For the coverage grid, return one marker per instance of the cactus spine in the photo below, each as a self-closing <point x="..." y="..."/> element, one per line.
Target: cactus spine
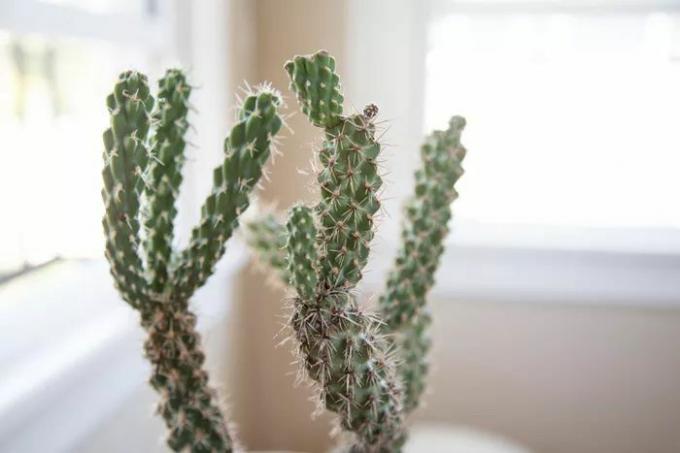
<point x="160" y="286"/>
<point x="403" y="312"/>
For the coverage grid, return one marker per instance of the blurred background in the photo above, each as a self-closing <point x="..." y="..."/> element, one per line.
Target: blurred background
<point x="557" y="321"/>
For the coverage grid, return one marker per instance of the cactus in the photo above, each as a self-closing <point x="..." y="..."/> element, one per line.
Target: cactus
<point x="327" y="247"/>
<point x="160" y="284"/>
<point x="165" y="173"/>
<point x="268" y="237"/>
<point x="341" y="252"/>
<point x="425" y="227"/>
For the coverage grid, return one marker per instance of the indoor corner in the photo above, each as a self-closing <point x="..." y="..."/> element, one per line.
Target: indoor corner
<point x="350" y="226"/>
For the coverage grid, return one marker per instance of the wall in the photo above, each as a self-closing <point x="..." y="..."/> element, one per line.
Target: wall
<point x="271" y="411"/>
<point x="558" y="378"/>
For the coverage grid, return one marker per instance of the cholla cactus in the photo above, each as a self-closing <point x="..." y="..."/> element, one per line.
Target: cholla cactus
<point x="160" y="284"/>
<point x="427" y="214"/>
<point x="321" y="253"/>
<point x="327" y="248"/>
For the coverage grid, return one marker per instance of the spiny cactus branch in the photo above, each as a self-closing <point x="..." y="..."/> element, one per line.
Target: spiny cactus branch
<point x="425" y="226"/>
<point x="161" y="291"/>
<point x="342" y="349"/>
<point x="247" y="149"/>
<point x="267" y="237"/>
<point x="317" y="86"/>
<point x="424" y="230"/>
<point x="125" y="162"/>
<point x="165" y="171"/>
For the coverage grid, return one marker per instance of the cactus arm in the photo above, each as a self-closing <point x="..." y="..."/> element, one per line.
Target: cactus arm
<point x="340" y="346"/>
<point x="342" y="349"/>
<point x="413" y="343"/>
<point x="317" y="87"/>
<point x="403" y="304"/>
<point x="302" y="257"/>
<point x="125" y="161"/>
<point x="167" y="146"/>
<point x="267" y="237"/>
<point x="425" y="225"/>
<point x="247" y="149"/>
<point x="349" y="183"/>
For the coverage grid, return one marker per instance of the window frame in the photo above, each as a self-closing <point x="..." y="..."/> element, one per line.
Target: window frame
<point x="33" y="16"/>
<point x="499" y="263"/>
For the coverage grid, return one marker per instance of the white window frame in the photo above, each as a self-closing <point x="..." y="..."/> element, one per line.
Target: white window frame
<point x="33" y="16"/>
<point x="493" y="262"/>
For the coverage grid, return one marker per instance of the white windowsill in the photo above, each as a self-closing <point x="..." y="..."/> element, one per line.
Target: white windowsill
<point x="72" y="350"/>
<point x="560" y="265"/>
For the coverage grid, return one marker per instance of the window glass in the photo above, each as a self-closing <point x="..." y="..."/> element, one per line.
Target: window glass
<point x="105" y="6"/>
<point x="52" y="115"/>
<point x="572" y="117"/>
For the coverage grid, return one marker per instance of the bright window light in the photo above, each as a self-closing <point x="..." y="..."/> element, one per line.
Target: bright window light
<point x="52" y="114"/>
<point x="573" y="118"/>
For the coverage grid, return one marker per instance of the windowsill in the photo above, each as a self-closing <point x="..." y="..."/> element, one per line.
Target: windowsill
<point x="73" y="350"/>
<point x="554" y="265"/>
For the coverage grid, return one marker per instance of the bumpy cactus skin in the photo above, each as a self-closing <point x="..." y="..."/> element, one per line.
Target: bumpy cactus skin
<point x="341" y="348"/>
<point x="247" y="149"/>
<point x="165" y="172"/>
<point x="267" y="237"/>
<point x="317" y="87"/>
<point x="160" y="291"/>
<point x="425" y="227"/>
<point x="126" y="159"/>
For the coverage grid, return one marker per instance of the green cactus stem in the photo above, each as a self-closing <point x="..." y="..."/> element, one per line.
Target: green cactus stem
<point x="126" y="159"/>
<point x="247" y="150"/>
<point x="267" y="237"/>
<point x="165" y="173"/>
<point x="161" y="289"/>
<point x="317" y="87"/>
<point x="341" y="347"/>
<point x="424" y="230"/>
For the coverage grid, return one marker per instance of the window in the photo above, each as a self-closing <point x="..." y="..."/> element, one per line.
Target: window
<point x="59" y="60"/>
<point x="573" y="110"/>
<point x="70" y="347"/>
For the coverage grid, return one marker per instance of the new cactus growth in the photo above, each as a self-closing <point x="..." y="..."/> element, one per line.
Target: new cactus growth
<point x="321" y="254"/>
<point x="142" y="176"/>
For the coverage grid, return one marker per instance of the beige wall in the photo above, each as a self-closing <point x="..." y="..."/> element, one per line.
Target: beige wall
<point x="272" y="413"/>
<point x="559" y="378"/>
